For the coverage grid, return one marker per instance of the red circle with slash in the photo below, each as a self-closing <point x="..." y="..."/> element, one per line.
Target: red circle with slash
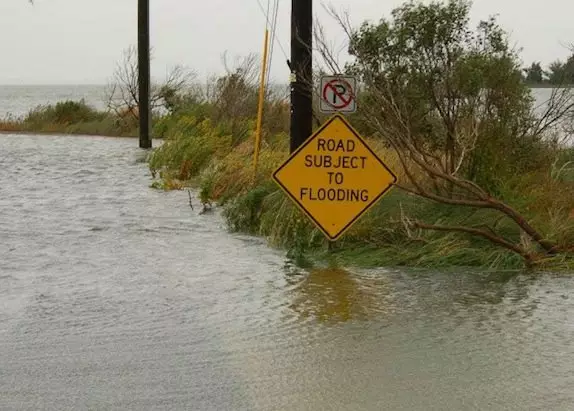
<point x="342" y="96"/>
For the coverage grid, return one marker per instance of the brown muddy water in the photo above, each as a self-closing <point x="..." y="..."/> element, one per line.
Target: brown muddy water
<point x="114" y="296"/>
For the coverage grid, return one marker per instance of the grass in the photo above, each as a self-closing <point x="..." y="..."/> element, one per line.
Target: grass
<point x="71" y="117"/>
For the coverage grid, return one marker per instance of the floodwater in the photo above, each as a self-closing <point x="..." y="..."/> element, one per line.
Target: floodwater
<point x="114" y="296"/>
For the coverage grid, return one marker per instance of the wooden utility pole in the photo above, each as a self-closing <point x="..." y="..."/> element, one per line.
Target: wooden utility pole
<point x="301" y="72"/>
<point x="144" y="74"/>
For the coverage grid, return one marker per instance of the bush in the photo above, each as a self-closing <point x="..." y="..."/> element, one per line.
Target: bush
<point x="62" y="113"/>
<point x="188" y="150"/>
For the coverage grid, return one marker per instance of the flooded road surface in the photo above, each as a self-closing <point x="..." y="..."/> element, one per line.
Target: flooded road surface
<point x="114" y="296"/>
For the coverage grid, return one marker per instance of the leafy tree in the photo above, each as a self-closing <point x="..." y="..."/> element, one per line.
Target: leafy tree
<point x="562" y="73"/>
<point x="451" y="101"/>
<point x="556" y="72"/>
<point x="441" y="73"/>
<point x="569" y="70"/>
<point x="534" y="73"/>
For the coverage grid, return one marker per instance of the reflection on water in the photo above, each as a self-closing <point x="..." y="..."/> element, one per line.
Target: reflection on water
<point x="336" y="295"/>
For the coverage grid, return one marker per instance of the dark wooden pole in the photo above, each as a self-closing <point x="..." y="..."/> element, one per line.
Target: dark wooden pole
<point x="144" y="74"/>
<point x="302" y="72"/>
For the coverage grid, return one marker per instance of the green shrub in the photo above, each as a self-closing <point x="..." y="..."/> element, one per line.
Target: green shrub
<point x="62" y="113"/>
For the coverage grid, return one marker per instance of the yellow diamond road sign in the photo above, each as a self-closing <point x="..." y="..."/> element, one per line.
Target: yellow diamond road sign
<point x="334" y="177"/>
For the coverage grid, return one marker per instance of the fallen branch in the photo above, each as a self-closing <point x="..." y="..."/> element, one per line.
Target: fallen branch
<point x="495" y="239"/>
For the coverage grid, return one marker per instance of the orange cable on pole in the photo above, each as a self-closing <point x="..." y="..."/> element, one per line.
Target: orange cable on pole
<point x="261" y="102"/>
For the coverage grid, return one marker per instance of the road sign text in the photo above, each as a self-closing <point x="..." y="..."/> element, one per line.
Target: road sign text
<point x="334" y="177"/>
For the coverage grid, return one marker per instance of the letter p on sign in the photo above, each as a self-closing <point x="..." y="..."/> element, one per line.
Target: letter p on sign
<point x="338" y="94"/>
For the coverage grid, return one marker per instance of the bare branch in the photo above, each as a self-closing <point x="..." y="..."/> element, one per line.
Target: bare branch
<point x="122" y="95"/>
<point x="488" y="234"/>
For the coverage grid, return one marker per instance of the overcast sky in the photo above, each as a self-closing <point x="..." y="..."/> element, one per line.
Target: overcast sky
<point x="79" y="41"/>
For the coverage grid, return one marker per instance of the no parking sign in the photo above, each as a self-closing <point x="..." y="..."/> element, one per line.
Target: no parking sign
<point x="338" y="94"/>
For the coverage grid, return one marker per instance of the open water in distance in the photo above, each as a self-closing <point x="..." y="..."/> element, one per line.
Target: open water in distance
<point x="118" y="297"/>
<point x="17" y="101"/>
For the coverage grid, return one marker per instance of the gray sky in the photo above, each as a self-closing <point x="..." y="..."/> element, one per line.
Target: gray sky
<point x="79" y="41"/>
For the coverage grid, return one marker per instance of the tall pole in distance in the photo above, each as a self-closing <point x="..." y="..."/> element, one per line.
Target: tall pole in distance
<point x="301" y="72"/>
<point x="144" y="74"/>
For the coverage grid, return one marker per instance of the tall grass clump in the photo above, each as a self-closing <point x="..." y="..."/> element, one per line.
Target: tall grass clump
<point x="62" y="113"/>
<point x="70" y="117"/>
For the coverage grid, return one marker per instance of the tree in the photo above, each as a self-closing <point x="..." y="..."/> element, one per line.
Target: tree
<point x="569" y="70"/>
<point x="562" y="73"/>
<point x="451" y="101"/>
<point x="556" y="72"/>
<point x="122" y="95"/>
<point x="534" y="73"/>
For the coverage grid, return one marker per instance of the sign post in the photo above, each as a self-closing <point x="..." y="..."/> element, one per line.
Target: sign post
<point x="338" y="94"/>
<point x="334" y="177"/>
